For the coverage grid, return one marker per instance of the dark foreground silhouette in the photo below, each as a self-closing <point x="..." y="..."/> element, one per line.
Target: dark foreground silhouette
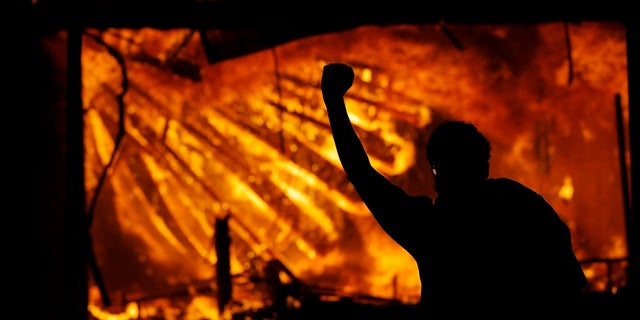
<point x="484" y="246"/>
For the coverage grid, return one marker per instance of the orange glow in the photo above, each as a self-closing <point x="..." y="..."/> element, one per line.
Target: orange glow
<point x="566" y="190"/>
<point x="250" y="141"/>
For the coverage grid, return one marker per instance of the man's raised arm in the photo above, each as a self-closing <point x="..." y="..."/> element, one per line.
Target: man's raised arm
<point x="336" y="81"/>
<point x="381" y="196"/>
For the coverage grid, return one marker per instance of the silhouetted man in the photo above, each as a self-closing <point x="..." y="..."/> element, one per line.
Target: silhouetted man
<point x="485" y="246"/>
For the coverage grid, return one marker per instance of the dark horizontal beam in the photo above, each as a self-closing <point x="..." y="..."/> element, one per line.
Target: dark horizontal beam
<point x="309" y="14"/>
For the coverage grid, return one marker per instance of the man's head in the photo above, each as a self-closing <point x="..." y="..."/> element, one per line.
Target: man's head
<point x="459" y="156"/>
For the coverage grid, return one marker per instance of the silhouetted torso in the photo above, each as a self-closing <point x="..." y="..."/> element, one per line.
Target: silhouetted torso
<point x="502" y="245"/>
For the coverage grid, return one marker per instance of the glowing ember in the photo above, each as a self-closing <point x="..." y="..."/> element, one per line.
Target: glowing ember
<point x="566" y="190"/>
<point x="249" y="139"/>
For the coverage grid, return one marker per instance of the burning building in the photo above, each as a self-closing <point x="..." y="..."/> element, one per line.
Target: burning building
<point x="210" y="183"/>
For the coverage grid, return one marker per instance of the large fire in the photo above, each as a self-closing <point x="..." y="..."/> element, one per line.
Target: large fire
<point x="247" y="139"/>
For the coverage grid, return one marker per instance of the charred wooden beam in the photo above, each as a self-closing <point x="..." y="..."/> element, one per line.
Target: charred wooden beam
<point x="223" y="265"/>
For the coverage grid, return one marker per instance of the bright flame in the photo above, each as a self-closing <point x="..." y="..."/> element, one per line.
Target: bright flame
<point x="566" y="191"/>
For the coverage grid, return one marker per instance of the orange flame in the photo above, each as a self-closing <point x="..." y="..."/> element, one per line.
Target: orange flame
<point x="251" y="141"/>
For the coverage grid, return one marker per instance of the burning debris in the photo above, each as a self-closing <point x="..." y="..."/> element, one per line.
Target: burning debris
<point x="174" y="144"/>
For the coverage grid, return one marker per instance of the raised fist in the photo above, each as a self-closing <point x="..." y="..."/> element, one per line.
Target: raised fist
<point x="337" y="78"/>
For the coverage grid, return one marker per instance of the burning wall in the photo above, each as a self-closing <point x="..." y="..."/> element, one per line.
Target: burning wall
<point x="182" y="143"/>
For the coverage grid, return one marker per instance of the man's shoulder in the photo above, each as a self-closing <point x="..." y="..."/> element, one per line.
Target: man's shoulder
<point x="505" y="183"/>
<point x="512" y="195"/>
<point x="510" y="187"/>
